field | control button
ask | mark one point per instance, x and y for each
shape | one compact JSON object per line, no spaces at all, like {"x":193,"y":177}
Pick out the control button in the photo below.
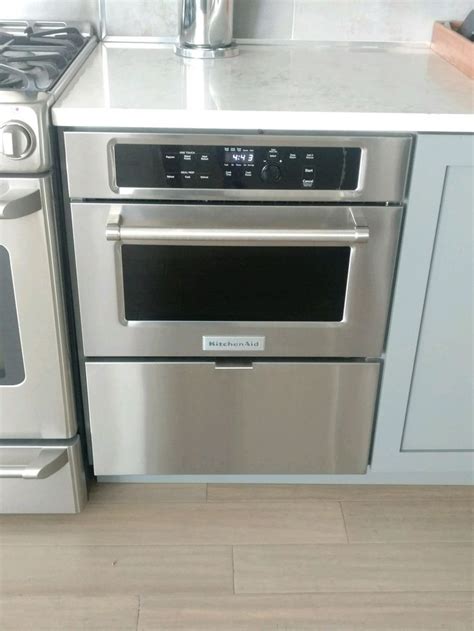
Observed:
{"x":170,"y":158}
{"x":172,"y":179}
{"x":228,"y":173}
{"x":187,"y":159}
{"x":204,"y":158}
{"x":308,"y":172}
{"x":272,"y":154}
{"x":204,"y":178}
{"x":292,"y":155}
{"x":307,"y":183}
{"x":16,"y":141}
{"x":188,"y":178}
{"x":270,"y":173}
{"x":310,"y":156}
{"x":248,"y":178}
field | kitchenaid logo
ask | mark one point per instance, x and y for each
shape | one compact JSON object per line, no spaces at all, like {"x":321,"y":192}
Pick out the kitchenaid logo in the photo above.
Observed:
{"x":233,"y":343}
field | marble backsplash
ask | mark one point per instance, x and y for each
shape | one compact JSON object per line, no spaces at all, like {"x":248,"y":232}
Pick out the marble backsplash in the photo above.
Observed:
{"x":320,"y":20}
{"x":66,"y":10}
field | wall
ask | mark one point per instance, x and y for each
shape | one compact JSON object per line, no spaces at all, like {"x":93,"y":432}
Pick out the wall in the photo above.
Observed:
{"x":67,"y":10}
{"x":322,"y":20}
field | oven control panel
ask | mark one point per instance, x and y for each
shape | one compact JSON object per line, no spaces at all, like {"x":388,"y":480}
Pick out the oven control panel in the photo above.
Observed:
{"x":236,"y":167}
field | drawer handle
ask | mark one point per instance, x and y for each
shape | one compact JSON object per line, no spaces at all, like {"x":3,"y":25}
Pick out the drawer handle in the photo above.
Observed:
{"x":47,"y":462}
{"x":233,"y":364}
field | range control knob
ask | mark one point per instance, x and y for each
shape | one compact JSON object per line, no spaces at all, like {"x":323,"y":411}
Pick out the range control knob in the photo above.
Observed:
{"x":16,"y":141}
{"x":270,"y":173}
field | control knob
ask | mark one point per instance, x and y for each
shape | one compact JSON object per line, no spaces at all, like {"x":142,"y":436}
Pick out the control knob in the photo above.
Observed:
{"x":16,"y":141}
{"x":271,"y":173}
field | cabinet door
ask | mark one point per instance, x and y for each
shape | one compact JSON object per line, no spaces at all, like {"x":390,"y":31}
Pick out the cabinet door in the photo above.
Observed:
{"x":439,"y":413}
{"x":424,"y":420}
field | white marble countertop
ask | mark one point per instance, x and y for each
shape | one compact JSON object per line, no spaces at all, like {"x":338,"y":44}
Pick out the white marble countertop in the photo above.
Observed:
{"x":337,"y":87}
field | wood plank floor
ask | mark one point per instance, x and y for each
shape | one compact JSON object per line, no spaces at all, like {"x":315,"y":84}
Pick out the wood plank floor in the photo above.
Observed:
{"x":243,"y":557}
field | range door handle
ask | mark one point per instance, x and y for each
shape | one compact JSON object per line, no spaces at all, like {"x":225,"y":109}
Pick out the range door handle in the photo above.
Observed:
{"x":19,"y":201}
{"x":46,"y":463}
{"x":115,"y":231}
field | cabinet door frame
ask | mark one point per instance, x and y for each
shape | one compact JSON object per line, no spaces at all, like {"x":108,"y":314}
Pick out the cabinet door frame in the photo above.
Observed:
{"x":434,"y":155}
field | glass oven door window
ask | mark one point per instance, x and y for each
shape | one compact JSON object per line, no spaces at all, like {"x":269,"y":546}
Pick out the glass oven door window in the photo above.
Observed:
{"x":234,"y":284}
{"x":11,"y":360}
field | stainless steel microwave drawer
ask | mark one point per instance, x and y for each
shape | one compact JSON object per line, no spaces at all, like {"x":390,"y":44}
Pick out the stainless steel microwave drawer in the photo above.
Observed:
{"x":45,"y":477}
{"x":217,"y":418}
{"x":319,"y":299}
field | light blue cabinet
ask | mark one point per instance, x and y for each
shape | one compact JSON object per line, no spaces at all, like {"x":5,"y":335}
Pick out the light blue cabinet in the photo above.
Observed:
{"x":425,"y":414}
{"x":439,"y":411}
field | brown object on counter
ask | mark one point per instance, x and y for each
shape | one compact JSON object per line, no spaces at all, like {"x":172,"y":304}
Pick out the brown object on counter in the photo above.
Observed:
{"x":453,"y":47}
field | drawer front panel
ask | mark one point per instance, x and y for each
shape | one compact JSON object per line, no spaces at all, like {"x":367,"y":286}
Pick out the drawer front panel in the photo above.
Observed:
{"x":216,"y":418}
{"x":42,"y":478}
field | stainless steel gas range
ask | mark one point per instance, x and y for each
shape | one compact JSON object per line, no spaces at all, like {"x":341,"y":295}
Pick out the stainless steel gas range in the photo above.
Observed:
{"x":232,"y":296}
{"x":40,"y":456}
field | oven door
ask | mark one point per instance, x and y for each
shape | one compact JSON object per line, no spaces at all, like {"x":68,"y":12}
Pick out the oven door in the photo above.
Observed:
{"x":36,"y":399}
{"x":200,"y":280}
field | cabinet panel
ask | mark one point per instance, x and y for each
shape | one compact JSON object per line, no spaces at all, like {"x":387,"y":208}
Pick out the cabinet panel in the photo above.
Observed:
{"x":424,"y":418}
{"x":439,"y":414}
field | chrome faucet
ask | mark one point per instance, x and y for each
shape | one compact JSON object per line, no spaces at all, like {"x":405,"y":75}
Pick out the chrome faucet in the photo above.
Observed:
{"x":206,"y":29}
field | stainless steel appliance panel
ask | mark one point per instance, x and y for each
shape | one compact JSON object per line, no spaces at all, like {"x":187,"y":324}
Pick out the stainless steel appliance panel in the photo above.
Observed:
{"x":91,"y":174}
{"x":230,"y":418}
{"x":39,"y":403}
{"x":371,"y":233}
{"x":42,"y":478}
{"x":41,"y":468}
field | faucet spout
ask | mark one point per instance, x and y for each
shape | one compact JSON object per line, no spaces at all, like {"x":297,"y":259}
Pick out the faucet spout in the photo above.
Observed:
{"x":206,"y":28}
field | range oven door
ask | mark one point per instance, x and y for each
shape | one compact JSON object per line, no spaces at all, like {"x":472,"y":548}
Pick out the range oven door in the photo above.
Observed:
{"x":195,"y":280}
{"x":36,"y":399}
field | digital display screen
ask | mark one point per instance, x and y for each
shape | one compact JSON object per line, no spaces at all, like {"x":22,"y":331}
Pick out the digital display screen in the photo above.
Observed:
{"x":239,"y":157}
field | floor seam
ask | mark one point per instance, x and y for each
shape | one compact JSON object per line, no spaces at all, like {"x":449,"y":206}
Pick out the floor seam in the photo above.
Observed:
{"x":344,"y":521}
{"x":233,"y":572}
{"x":187,"y":544}
{"x":139,"y":610}
{"x":166,"y":595}
{"x":353,"y":593}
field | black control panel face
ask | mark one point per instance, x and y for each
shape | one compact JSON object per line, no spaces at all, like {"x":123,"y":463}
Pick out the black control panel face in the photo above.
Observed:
{"x":237,"y":167}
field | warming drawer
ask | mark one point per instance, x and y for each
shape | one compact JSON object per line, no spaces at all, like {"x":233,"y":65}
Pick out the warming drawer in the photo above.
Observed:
{"x":45,"y":477}
{"x":231,"y":418}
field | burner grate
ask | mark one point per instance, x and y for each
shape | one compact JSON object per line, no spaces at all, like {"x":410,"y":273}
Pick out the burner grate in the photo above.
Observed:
{"x":33,"y":60}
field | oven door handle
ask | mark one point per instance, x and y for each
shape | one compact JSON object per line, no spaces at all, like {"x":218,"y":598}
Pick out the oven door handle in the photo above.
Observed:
{"x":235,"y":236}
{"x":19,"y":201}
{"x":47,"y":462}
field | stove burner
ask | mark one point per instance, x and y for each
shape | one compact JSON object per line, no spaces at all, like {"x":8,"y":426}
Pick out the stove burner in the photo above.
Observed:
{"x":34,"y":59}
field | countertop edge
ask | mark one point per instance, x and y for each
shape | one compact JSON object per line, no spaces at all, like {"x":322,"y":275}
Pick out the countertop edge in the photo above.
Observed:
{"x":98,"y":118}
